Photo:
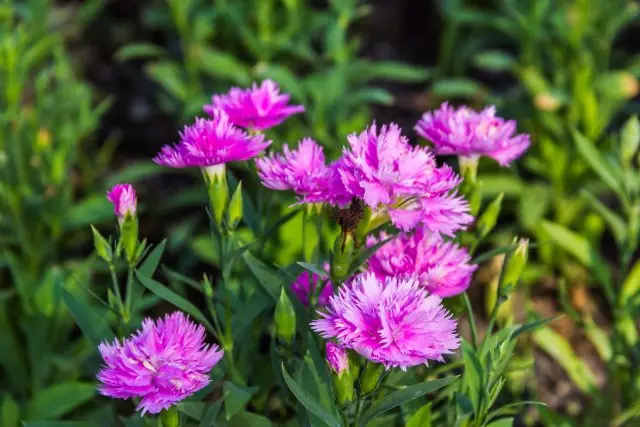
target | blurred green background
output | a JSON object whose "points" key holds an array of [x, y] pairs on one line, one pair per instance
{"points": [[90, 90]]}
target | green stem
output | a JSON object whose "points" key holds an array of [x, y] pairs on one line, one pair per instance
{"points": [[471, 319], [492, 319], [129, 296], [359, 405], [170, 417], [116, 287]]}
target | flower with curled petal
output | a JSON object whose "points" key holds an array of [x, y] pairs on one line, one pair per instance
{"points": [[260, 107], [441, 267], [392, 321], [470, 134], [211, 142], [304, 171], [388, 174], [161, 364]]}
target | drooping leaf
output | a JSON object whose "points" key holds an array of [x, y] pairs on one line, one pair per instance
{"points": [[93, 325], [400, 397], [235, 397]]}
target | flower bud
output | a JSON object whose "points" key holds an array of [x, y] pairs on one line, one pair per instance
{"points": [[234, 214], [285, 318], [629, 140], [170, 417], [216, 179], [487, 221], [342, 378], [514, 266], [125, 203], [546, 101], [341, 257], [371, 377], [206, 286], [102, 246]]}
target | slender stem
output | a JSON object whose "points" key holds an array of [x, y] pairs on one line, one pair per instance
{"points": [[129, 296], [471, 319], [359, 405], [116, 288], [492, 319]]}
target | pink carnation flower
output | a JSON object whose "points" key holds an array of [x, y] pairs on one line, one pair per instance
{"points": [[304, 171], [337, 358], [125, 202], [209, 143], [384, 170], [392, 321], [163, 363], [439, 266], [260, 107], [468, 133], [307, 283]]}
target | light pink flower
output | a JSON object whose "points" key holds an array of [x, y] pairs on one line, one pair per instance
{"points": [[441, 267], [260, 107], [468, 133], [125, 202], [337, 358], [211, 142], [163, 363], [392, 321], [388, 174], [304, 171], [306, 284]]}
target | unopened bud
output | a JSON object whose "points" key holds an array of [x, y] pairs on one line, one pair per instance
{"points": [[102, 246], [341, 257], [546, 101], [342, 378], [629, 140], [206, 286], [234, 213], [487, 221], [514, 266], [216, 179], [371, 377], [125, 204], [285, 318], [44, 139]]}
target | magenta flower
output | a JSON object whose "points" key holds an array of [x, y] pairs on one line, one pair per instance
{"points": [[163, 363], [337, 358], [208, 143], [441, 267], [261, 107], [304, 171], [384, 170], [125, 202], [468, 133], [392, 321], [307, 283]]}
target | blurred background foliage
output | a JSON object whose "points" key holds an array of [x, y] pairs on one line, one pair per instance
{"points": [[89, 90]]}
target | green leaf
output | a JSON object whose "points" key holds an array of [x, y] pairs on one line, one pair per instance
{"points": [[559, 348], [631, 285], [400, 397], [456, 88], [519, 330], [364, 70], [579, 247], [473, 377], [422, 418], [93, 325], [287, 80], [615, 222], [369, 95], [504, 422], [270, 281], [245, 419], [168, 295], [257, 304], [592, 156], [235, 397], [210, 414], [309, 402], [59, 424], [494, 60], [223, 64], [9, 412], [170, 77], [92, 210], [139, 50], [363, 255], [59, 399], [135, 171], [150, 263]]}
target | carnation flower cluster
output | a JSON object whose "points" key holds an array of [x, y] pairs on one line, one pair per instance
{"points": [[390, 313]]}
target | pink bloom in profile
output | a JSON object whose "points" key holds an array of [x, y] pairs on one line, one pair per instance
{"points": [[163, 363], [388, 174], [304, 171], [441, 267], [211, 142], [125, 202], [261, 107], [337, 358], [391, 321], [306, 284], [469, 133]]}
